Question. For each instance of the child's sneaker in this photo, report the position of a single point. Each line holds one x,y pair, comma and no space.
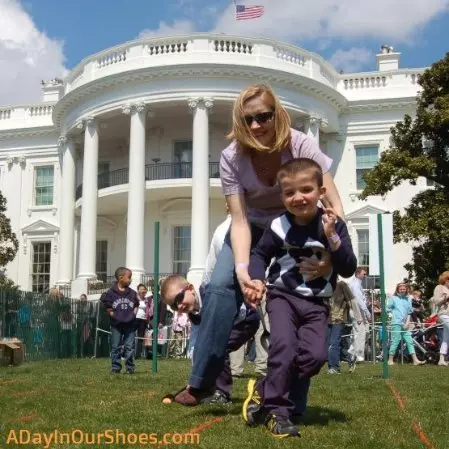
252,410
352,364
218,398
281,427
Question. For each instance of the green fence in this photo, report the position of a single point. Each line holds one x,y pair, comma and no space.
55,327
52,327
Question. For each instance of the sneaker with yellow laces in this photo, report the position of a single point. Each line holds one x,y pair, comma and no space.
252,410
281,427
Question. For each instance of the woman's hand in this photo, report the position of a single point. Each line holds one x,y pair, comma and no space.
254,291
247,285
313,268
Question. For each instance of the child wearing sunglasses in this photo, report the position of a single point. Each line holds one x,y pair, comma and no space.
182,297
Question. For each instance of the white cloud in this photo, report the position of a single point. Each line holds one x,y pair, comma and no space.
164,29
351,60
27,56
291,20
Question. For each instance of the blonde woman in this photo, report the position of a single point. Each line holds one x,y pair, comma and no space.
261,141
440,300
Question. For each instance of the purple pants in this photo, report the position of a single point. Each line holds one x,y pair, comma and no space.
298,348
240,334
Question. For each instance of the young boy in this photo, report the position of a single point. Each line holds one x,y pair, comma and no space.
182,297
297,306
122,305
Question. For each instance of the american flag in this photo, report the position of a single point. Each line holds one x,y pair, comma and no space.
243,12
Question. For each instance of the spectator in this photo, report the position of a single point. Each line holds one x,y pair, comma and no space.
161,319
141,318
121,303
180,329
400,306
440,300
418,309
362,328
341,303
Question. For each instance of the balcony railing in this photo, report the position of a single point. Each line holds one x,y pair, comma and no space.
153,172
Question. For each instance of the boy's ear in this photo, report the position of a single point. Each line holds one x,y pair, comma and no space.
322,192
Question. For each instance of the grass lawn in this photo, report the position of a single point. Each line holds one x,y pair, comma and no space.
346,411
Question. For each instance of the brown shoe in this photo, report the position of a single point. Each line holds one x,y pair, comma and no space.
190,397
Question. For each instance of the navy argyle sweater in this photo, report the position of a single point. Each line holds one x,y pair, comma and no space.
286,242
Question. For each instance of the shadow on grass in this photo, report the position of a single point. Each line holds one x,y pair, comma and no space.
322,416
314,416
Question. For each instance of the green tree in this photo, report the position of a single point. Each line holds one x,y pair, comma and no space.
8,242
420,147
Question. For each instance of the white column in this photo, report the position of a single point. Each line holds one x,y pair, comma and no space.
313,128
200,188
67,210
135,230
88,231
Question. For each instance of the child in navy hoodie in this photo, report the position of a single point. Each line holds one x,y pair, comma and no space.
122,303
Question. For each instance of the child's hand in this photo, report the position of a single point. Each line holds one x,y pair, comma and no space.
253,291
329,219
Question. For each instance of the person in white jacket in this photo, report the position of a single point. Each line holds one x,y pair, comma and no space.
361,327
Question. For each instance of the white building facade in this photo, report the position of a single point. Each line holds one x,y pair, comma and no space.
133,136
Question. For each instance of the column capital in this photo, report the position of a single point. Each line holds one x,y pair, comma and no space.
140,107
86,121
200,102
126,109
317,120
89,121
130,108
62,141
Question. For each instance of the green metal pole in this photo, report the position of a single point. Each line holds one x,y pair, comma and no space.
155,295
382,298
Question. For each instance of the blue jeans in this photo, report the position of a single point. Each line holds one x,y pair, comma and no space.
334,338
221,304
222,301
192,340
129,340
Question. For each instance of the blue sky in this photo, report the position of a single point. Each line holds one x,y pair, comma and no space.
42,38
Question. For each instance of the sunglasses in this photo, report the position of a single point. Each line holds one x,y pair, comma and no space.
179,298
261,118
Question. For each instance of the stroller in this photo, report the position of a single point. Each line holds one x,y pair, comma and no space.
426,341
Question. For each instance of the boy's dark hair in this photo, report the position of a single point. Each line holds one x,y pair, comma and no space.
121,271
141,285
169,280
298,165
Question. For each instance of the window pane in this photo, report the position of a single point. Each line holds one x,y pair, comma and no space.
102,260
40,270
366,158
181,249
43,188
183,159
183,151
363,248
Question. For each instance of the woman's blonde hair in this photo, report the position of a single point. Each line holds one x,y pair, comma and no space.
241,132
444,276
405,285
